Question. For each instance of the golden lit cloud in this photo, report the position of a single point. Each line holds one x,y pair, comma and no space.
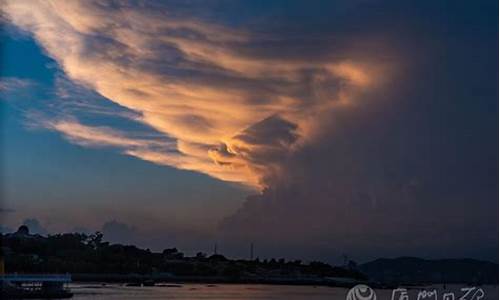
231,114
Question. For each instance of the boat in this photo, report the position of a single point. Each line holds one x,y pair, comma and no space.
31,286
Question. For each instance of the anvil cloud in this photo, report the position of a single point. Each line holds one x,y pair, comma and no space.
234,112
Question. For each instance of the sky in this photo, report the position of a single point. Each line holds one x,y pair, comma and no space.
313,130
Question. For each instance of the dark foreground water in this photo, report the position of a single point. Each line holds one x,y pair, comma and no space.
245,292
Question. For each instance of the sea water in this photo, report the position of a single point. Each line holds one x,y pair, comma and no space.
252,291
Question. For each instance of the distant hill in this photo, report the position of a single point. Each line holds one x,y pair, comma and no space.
412,270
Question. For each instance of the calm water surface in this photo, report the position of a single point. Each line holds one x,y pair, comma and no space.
243,292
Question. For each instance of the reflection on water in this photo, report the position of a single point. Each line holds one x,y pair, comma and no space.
244,292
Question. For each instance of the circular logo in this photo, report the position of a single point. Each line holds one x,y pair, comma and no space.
361,292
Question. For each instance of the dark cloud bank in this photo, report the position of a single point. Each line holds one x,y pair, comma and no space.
412,172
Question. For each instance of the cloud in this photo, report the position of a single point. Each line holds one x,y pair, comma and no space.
204,85
14,84
69,98
117,232
103,136
359,196
34,226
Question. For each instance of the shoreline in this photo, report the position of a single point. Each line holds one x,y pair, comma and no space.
159,278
